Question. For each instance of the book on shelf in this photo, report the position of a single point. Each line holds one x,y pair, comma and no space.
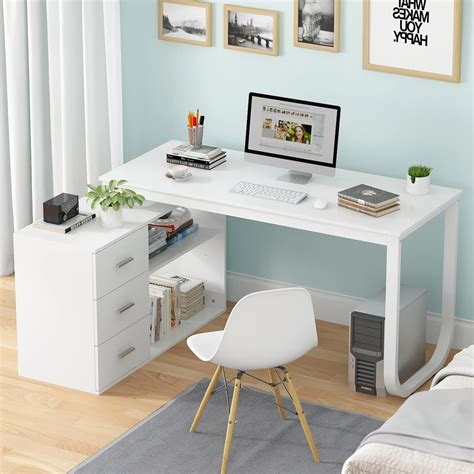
179,217
204,165
205,151
68,226
174,286
159,244
187,313
370,211
192,297
182,227
160,311
182,234
156,239
158,251
156,233
173,228
155,318
368,196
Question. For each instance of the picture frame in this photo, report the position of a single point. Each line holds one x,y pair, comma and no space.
185,21
323,34
421,42
251,30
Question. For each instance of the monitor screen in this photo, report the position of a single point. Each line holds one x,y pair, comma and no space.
292,129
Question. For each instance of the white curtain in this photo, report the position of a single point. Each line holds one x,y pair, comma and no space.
61,104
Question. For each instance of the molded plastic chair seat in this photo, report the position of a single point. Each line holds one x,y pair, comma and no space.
205,345
265,329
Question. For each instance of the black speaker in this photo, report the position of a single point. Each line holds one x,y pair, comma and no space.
60,208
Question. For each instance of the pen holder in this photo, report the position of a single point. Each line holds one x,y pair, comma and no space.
195,136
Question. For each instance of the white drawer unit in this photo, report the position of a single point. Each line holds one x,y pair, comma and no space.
121,261
121,308
82,297
118,356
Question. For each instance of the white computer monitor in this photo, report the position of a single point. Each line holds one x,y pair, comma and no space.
297,135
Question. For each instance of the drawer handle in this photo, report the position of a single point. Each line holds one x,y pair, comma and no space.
126,352
126,307
124,262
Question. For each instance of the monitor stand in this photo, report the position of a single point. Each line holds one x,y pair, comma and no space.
297,177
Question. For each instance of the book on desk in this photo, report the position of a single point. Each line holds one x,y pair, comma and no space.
206,157
368,200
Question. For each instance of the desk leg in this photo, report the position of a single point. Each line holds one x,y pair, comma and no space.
392,310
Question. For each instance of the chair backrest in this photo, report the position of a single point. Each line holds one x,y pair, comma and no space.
267,329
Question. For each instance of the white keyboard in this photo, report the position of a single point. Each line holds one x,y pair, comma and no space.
268,192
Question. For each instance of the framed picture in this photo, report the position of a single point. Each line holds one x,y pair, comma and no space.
251,29
184,21
413,37
317,24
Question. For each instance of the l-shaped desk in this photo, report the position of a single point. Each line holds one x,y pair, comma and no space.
208,191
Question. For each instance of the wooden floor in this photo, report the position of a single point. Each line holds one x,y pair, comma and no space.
45,428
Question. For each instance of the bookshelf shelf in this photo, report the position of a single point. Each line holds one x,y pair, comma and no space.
182,247
186,328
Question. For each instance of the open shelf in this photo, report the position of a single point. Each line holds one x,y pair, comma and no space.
185,329
203,234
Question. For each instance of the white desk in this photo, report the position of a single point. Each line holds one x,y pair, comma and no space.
209,191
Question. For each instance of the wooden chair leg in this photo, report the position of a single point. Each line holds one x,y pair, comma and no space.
276,391
230,424
302,417
210,389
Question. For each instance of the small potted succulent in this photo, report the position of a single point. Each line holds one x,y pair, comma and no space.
112,197
419,179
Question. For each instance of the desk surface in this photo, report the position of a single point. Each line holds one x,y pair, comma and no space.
209,191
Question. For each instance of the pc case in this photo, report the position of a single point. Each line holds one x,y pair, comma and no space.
366,345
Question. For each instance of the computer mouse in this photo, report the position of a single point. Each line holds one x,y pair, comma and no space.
320,204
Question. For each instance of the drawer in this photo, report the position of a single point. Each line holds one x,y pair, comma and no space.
120,262
119,355
121,308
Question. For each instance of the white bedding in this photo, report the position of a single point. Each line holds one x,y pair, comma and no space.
377,458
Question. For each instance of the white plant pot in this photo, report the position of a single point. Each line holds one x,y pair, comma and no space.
420,186
111,219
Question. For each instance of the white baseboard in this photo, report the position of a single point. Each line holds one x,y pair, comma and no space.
336,308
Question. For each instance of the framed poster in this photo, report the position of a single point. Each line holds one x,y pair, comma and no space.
316,24
184,21
413,37
252,30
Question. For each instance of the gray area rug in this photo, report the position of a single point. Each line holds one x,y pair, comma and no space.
262,443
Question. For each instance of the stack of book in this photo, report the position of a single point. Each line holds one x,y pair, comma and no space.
206,157
191,296
169,229
369,200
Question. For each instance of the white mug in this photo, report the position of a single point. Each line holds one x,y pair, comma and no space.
178,171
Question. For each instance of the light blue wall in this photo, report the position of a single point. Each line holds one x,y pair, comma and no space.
387,122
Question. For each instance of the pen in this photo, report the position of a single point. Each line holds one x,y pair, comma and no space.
201,120
197,126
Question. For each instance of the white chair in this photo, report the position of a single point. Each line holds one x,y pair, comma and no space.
265,330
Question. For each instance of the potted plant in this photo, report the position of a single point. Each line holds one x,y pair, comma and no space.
112,197
419,179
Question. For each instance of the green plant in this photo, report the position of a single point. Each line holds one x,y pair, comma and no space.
418,171
113,195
